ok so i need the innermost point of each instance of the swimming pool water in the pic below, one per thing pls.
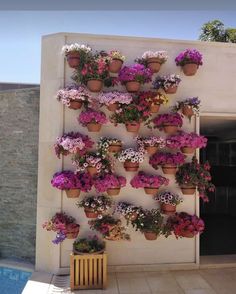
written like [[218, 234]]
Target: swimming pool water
[[12, 281]]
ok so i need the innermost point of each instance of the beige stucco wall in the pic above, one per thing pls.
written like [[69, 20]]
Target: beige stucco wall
[[210, 85]]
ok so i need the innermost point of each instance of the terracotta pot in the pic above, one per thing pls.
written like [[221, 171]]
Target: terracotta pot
[[113, 107], [115, 148], [187, 110], [150, 190], [131, 166], [131, 216], [95, 85], [169, 129], [154, 108], [187, 150], [132, 127], [92, 170], [169, 169], [150, 236], [168, 208], [133, 86], [188, 189], [115, 65], [73, 59], [113, 191], [151, 149], [75, 104], [90, 213], [94, 127], [187, 234], [154, 64], [190, 69], [73, 193], [171, 90], [72, 233]]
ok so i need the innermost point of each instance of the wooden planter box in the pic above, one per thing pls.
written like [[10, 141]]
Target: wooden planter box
[[88, 271]]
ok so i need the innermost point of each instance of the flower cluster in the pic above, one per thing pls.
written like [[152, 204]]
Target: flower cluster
[[151, 141], [104, 143], [114, 97], [127, 209], [161, 55], [196, 174], [193, 102], [99, 203], [92, 116], [73, 93], [136, 72], [108, 181], [183, 222], [115, 54], [167, 197], [183, 139], [76, 47], [166, 81], [189, 56], [74, 143], [88, 245], [162, 158], [173, 119], [151, 98], [142, 180], [131, 155]]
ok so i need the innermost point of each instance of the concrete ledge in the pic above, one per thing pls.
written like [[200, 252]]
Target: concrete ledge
[[39, 283]]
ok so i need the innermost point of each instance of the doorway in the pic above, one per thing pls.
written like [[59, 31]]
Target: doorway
[[219, 214]]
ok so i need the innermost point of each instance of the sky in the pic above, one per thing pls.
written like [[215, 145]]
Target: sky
[[21, 32]]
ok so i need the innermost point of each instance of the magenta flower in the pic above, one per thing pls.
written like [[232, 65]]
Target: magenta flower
[[108, 181], [135, 72], [173, 119], [92, 116], [189, 56], [162, 158], [183, 139], [143, 180], [115, 97]]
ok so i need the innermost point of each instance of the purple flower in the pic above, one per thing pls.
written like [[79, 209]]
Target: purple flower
[[108, 181], [183, 139], [92, 116], [143, 180], [135, 72], [162, 158], [189, 56], [174, 119], [167, 81]]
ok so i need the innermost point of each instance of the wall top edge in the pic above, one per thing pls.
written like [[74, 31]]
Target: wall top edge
[[135, 38], [20, 90]]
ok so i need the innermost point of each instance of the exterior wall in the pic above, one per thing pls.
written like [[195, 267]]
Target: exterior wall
[[208, 85], [18, 168]]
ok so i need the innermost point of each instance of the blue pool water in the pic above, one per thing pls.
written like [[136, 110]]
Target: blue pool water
[[12, 281]]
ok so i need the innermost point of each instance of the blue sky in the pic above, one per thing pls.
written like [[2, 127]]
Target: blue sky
[[21, 32]]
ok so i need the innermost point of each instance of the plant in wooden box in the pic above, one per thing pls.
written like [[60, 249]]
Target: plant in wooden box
[[131, 158], [151, 100], [129, 211], [193, 174], [153, 60], [169, 122], [188, 107], [72, 183], [150, 183], [187, 142], [151, 143], [113, 100], [151, 224], [116, 61], [72, 143], [106, 145], [189, 60], [110, 228], [168, 83], [95, 205], [74, 96], [76, 54], [168, 201], [169, 162], [64, 225], [92, 119], [90, 245], [134, 75], [110, 183], [185, 225]]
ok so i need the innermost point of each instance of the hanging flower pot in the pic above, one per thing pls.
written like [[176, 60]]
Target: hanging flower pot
[[95, 85], [169, 169], [132, 126], [171, 90], [113, 191], [73, 59], [154, 108], [113, 106], [115, 147], [187, 150], [73, 193], [131, 166], [132, 86], [94, 127], [75, 104], [150, 236], [168, 208], [151, 149], [92, 170], [115, 65], [150, 190], [187, 234], [190, 69], [154, 64], [90, 213], [72, 231], [187, 110], [131, 216], [170, 129], [188, 189]]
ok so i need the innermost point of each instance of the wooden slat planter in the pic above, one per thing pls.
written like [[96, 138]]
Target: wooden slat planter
[[88, 271]]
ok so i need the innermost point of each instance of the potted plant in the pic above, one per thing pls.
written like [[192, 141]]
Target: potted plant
[[187, 142], [151, 143], [154, 60], [95, 205], [129, 211], [111, 183], [169, 83], [93, 162], [114, 99], [133, 76], [131, 158], [116, 61], [188, 107], [72, 183], [168, 201], [112, 145], [74, 96], [90, 245], [76, 54], [150, 183], [110, 228], [72, 143], [150, 223], [153, 100], [193, 174], [169, 162], [189, 60], [169, 122], [185, 225], [92, 119], [64, 225]]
